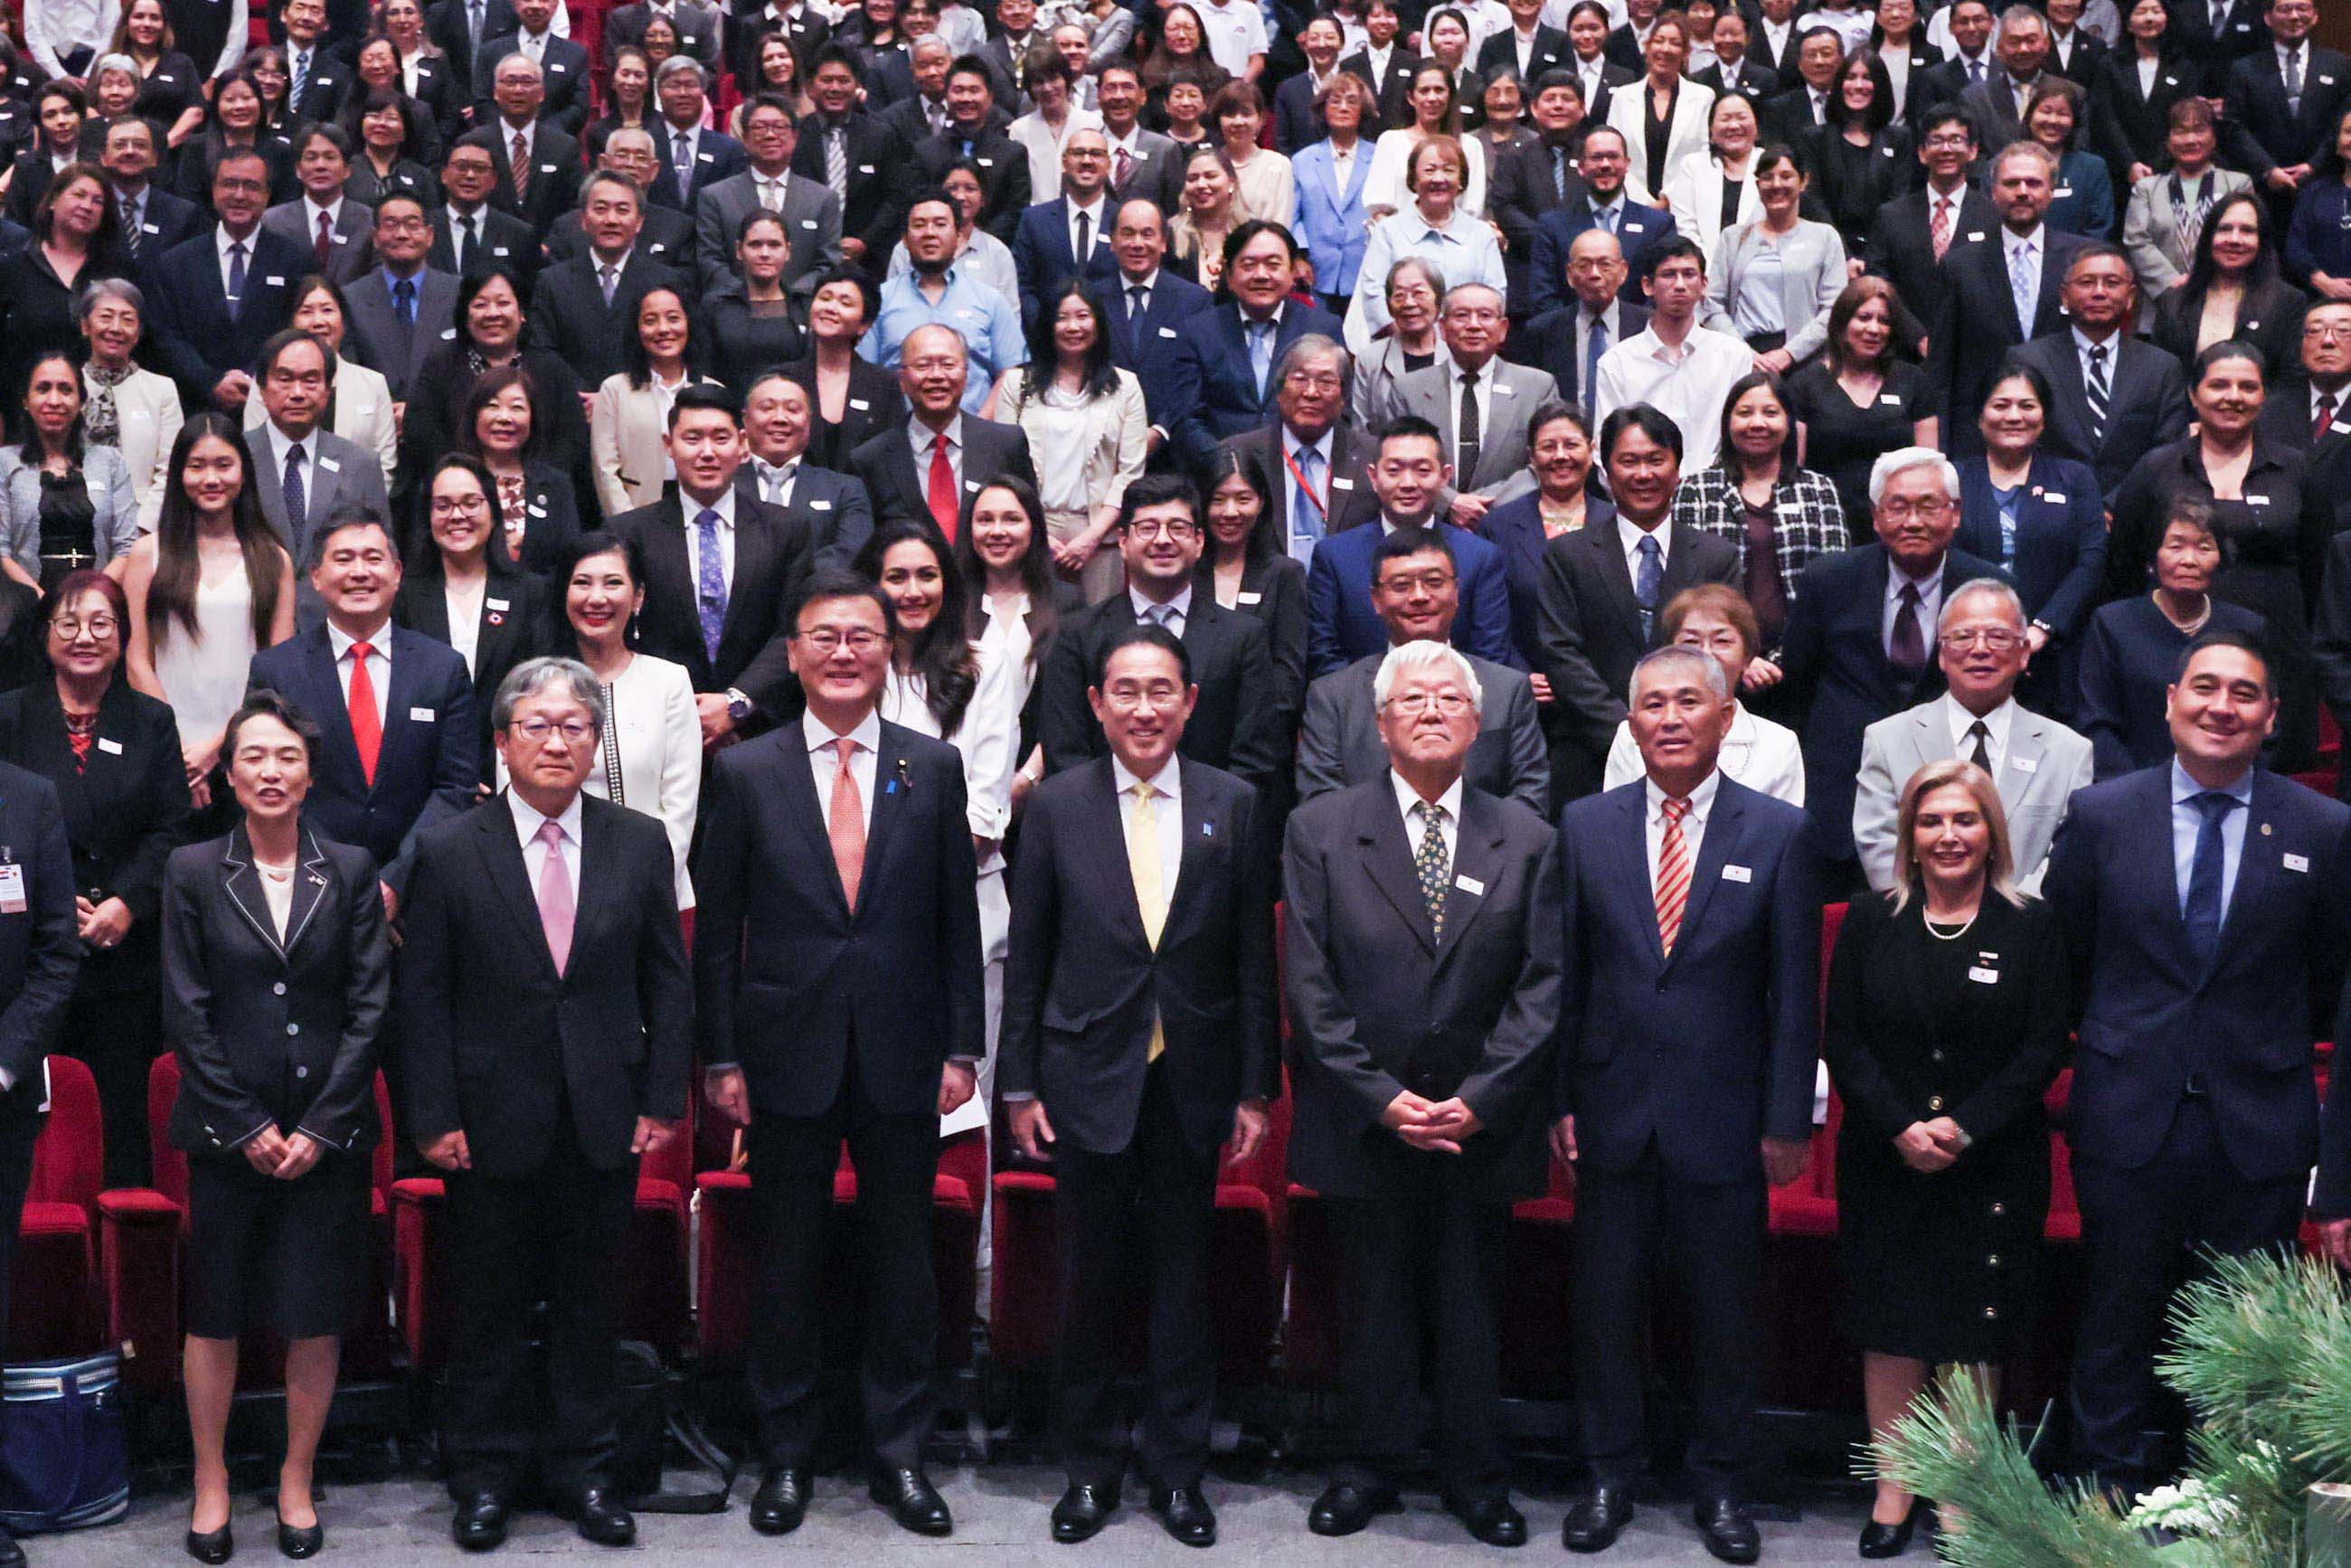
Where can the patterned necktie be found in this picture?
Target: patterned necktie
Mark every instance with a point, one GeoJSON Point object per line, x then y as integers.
{"type": "Point", "coordinates": [845, 824]}
{"type": "Point", "coordinates": [2293, 80]}
{"type": "Point", "coordinates": [2323, 418]}
{"type": "Point", "coordinates": [1467, 434]}
{"type": "Point", "coordinates": [682, 145]}
{"type": "Point", "coordinates": [297, 506]}
{"type": "Point", "coordinates": [473, 22]}
{"type": "Point", "coordinates": [2023, 286]}
{"type": "Point", "coordinates": [1121, 167]}
{"type": "Point", "coordinates": [1433, 865]}
{"type": "Point", "coordinates": [771, 194]}
{"type": "Point", "coordinates": [611, 277]}
{"type": "Point", "coordinates": [1975, 73]}
{"type": "Point", "coordinates": [1559, 171]}
{"type": "Point", "coordinates": [2205, 873]}
{"type": "Point", "coordinates": [301, 80]}
{"type": "Point", "coordinates": [836, 161]}
{"type": "Point", "coordinates": [1939, 227]}
{"type": "Point", "coordinates": [1647, 580]}
{"type": "Point", "coordinates": [367, 725]}
{"type": "Point", "coordinates": [1150, 889]}
{"type": "Point", "coordinates": [130, 228]}
{"type": "Point", "coordinates": [404, 301]}
{"type": "Point", "coordinates": [1673, 875]}
{"type": "Point", "coordinates": [2098, 393]}
{"type": "Point", "coordinates": [1981, 755]}
{"type": "Point", "coordinates": [556, 908]}
{"type": "Point", "coordinates": [1907, 648]}
{"type": "Point", "coordinates": [520, 162]}
{"type": "Point", "coordinates": [940, 492]}
{"type": "Point", "coordinates": [710, 583]}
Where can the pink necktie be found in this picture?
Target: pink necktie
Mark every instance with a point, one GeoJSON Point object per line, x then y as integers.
{"type": "Point", "coordinates": [555, 908]}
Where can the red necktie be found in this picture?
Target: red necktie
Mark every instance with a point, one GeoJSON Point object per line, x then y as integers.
{"type": "Point", "coordinates": [1125, 167]}
{"type": "Point", "coordinates": [325, 247]}
{"type": "Point", "coordinates": [2324, 417]}
{"type": "Point", "coordinates": [1939, 228]}
{"type": "Point", "coordinates": [367, 725]}
{"type": "Point", "coordinates": [1673, 875]}
{"type": "Point", "coordinates": [942, 489]}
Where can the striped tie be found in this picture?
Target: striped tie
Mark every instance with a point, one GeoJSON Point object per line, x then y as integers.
{"type": "Point", "coordinates": [1673, 875]}
{"type": "Point", "coordinates": [2098, 393]}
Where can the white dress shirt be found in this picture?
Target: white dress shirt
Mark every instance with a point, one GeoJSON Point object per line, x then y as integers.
{"type": "Point", "coordinates": [1653, 822]}
{"type": "Point", "coordinates": [464, 604]}
{"type": "Point", "coordinates": [1168, 817]}
{"type": "Point", "coordinates": [776, 481]}
{"type": "Point", "coordinates": [1095, 217]}
{"type": "Point", "coordinates": [921, 436]}
{"type": "Point", "coordinates": [312, 212]}
{"type": "Point", "coordinates": [1689, 387]}
{"type": "Point", "coordinates": [528, 820]}
{"type": "Point", "coordinates": [1630, 535]}
{"type": "Point", "coordinates": [824, 762]}
{"type": "Point", "coordinates": [1482, 389]}
{"type": "Point", "coordinates": [1448, 826]}
{"type": "Point", "coordinates": [379, 664]}
{"type": "Point", "coordinates": [692, 510]}
{"type": "Point", "coordinates": [281, 444]}
{"type": "Point", "coordinates": [1174, 615]}
{"type": "Point", "coordinates": [1996, 724]}
{"type": "Point", "coordinates": [222, 241]}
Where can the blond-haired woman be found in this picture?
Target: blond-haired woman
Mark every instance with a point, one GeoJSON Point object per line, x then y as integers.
{"type": "Point", "coordinates": [1947, 1004]}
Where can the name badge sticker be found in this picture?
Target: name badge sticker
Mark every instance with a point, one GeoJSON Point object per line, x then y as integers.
{"type": "Point", "coordinates": [1975, 237]}
{"type": "Point", "coordinates": [1166, 331]}
{"type": "Point", "coordinates": [112, 747]}
{"type": "Point", "coordinates": [1248, 596]}
{"type": "Point", "coordinates": [2055, 497]}
{"type": "Point", "coordinates": [1889, 399]}
{"type": "Point", "coordinates": [860, 404]}
{"type": "Point", "coordinates": [275, 281]}
{"type": "Point", "coordinates": [497, 603]}
{"type": "Point", "coordinates": [12, 888]}
{"type": "Point", "coordinates": [819, 506]}
{"type": "Point", "coordinates": [1983, 977]}
{"type": "Point", "coordinates": [865, 168]}
{"type": "Point", "coordinates": [494, 250]}
{"type": "Point", "coordinates": [1738, 874]}
{"type": "Point", "coordinates": [1502, 391]}
{"type": "Point", "coordinates": [448, 334]}
{"type": "Point", "coordinates": [972, 485]}
{"type": "Point", "coordinates": [2297, 863]}
{"type": "Point", "coordinates": [2025, 764]}
{"type": "Point", "coordinates": [1469, 884]}
{"type": "Point", "coordinates": [420, 716]}
{"type": "Point", "coordinates": [149, 228]}
{"type": "Point", "coordinates": [1339, 484]}
{"type": "Point", "coordinates": [330, 465]}
{"type": "Point", "coordinates": [2257, 500]}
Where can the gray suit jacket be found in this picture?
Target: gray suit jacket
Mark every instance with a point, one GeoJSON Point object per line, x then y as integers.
{"type": "Point", "coordinates": [1339, 745]}
{"type": "Point", "coordinates": [382, 343]}
{"type": "Point", "coordinates": [2155, 231]}
{"type": "Point", "coordinates": [1157, 175]}
{"type": "Point", "coordinates": [340, 473]}
{"type": "Point", "coordinates": [2044, 764]}
{"type": "Point", "coordinates": [354, 235]}
{"type": "Point", "coordinates": [1434, 394]}
{"type": "Point", "coordinates": [811, 215]}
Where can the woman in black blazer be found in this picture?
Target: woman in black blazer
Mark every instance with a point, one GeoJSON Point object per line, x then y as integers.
{"type": "Point", "coordinates": [537, 508]}
{"type": "Point", "coordinates": [493, 330]}
{"type": "Point", "coordinates": [114, 756]}
{"type": "Point", "coordinates": [854, 398]}
{"type": "Point", "coordinates": [276, 974]}
{"type": "Point", "coordinates": [463, 580]}
{"type": "Point", "coordinates": [1243, 566]}
{"type": "Point", "coordinates": [2236, 257]}
{"type": "Point", "coordinates": [2136, 86]}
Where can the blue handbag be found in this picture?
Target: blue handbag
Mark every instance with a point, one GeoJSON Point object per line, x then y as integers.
{"type": "Point", "coordinates": [65, 1456]}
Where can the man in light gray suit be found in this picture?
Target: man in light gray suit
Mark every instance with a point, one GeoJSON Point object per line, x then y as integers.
{"type": "Point", "coordinates": [811, 210]}
{"type": "Point", "coordinates": [398, 311]}
{"type": "Point", "coordinates": [302, 473]}
{"type": "Point", "coordinates": [1488, 446]}
{"type": "Point", "coordinates": [322, 162]}
{"type": "Point", "coordinates": [1417, 593]}
{"type": "Point", "coordinates": [1143, 165]}
{"type": "Point", "coordinates": [2036, 762]}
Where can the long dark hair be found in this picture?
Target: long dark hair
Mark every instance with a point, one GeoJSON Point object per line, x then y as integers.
{"type": "Point", "coordinates": [33, 455]}
{"type": "Point", "coordinates": [563, 640]}
{"type": "Point", "coordinates": [940, 652]}
{"type": "Point", "coordinates": [1727, 455]}
{"type": "Point", "coordinates": [172, 592]}
{"type": "Point", "coordinates": [424, 556]}
{"type": "Point", "coordinates": [1223, 464]}
{"type": "Point", "coordinates": [2262, 276]}
{"type": "Point", "coordinates": [635, 362]}
{"type": "Point", "coordinates": [1036, 568]}
{"type": "Point", "coordinates": [1045, 356]}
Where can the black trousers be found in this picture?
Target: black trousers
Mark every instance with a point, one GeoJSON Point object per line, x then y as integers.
{"type": "Point", "coordinates": [2142, 1232]}
{"type": "Point", "coordinates": [1155, 1200]}
{"type": "Point", "coordinates": [1708, 1239]}
{"type": "Point", "coordinates": [20, 1127]}
{"type": "Point", "coordinates": [557, 1236]}
{"type": "Point", "coordinates": [792, 1160]}
{"type": "Point", "coordinates": [115, 1020]}
{"type": "Point", "coordinates": [1420, 1265]}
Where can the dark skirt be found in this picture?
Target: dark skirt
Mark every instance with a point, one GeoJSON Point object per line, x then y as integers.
{"type": "Point", "coordinates": [290, 1257]}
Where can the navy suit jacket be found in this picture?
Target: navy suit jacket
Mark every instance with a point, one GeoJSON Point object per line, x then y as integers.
{"type": "Point", "coordinates": [1515, 529]}
{"type": "Point", "coordinates": [1343, 628]}
{"type": "Point", "coordinates": [187, 310]}
{"type": "Point", "coordinates": [1148, 347]}
{"type": "Point", "coordinates": [716, 157]}
{"type": "Point", "coordinates": [2061, 537]}
{"type": "Point", "coordinates": [1709, 1050]}
{"type": "Point", "coordinates": [40, 950]}
{"type": "Point", "coordinates": [430, 760]}
{"type": "Point", "coordinates": [1211, 386]}
{"type": "Point", "coordinates": [2152, 1015]}
{"type": "Point", "coordinates": [166, 220]}
{"type": "Point", "coordinates": [1042, 259]}
{"type": "Point", "coordinates": [1637, 229]}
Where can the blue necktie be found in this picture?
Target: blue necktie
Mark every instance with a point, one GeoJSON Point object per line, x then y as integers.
{"type": "Point", "coordinates": [710, 589]}
{"type": "Point", "coordinates": [1306, 519]}
{"type": "Point", "coordinates": [235, 278]}
{"type": "Point", "coordinates": [297, 507]}
{"type": "Point", "coordinates": [1260, 335]}
{"type": "Point", "coordinates": [1646, 581]}
{"type": "Point", "coordinates": [2204, 872]}
{"type": "Point", "coordinates": [404, 301]}
{"type": "Point", "coordinates": [1595, 343]}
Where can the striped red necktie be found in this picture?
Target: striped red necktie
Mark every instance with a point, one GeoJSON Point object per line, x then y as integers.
{"type": "Point", "coordinates": [1673, 875]}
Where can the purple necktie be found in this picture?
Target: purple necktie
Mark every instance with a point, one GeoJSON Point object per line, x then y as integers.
{"type": "Point", "coordinates": [555, 906]}
{"type": "Point", "coordinates": [710, 586]}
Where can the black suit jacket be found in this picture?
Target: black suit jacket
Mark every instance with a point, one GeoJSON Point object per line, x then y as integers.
{"type": "Point", "coordinates": [1082, 984]}
{"type": "Point", "coordinates": [507, 241]}
{"type": "Point", "coordinates": [1348, 505]}
{"type": "Point", "coordinates": [165, 220]}
{"type": "Point", "coordinates": [196, 339]}
{"type": "Point", "coordinates": [1522, 186]}
{"type": "Point", "coordinates": [332, 73]}
{"type": "Point", "coordinates": [444, 23]}
{"type": "Point", "coordinates": [2144, 119]}
{"type": "Point", "coordinates": [835, 514]}
{"type": "Point", "coordinates": [1003, 173]}
{"type": "Point", "coordinates": [898, 486]}
{"type": "Point", "coordinates": [667, 238]}
{"type": "Point", "coordinates": [716, 157]}
{"type": "Point", "coordinates": [787, 975]}
{"type": "Point", "coordinates": [126, 808]}
{"type": "Point", "coordinates": [565, 69]}
{"type": "Point", "coordinates": [1548, 344]}
{"type": "Point", "coordinates": [494, 1042]}
{"type": "Point", "coordinates": [1147, 346]}
{"type": "Point", "coordinates": [1393, 96]}
{"type": "Point", "coordinates": [1550, 52]}
{"type": "Point", "coordinates": [429, 759]}
{"type": "Point", "coordinates": [2214, 53]}
{"type": "Point", "coordinates": [1902, 251]}
{"type": "Point", "coordinates": [1977, 325]}
{"type": "Point", "coordinates": [2261, 130]}
{"type": "Point", "coordinates": [274, 1031]}
{"type": "Point", "coordinates": [554, 173]}
{"type": "Point", "coordinates": [771, 557]}
{"type": "Point", "coordinates": [512, 628]}
{"type": "Point", "coordinates": [871, 213]}
{"type": "Point", "coordinates": [2146, 403]}
{"type": "Point", "coordinates": [874, 405]}
{"type": "Point", "coordinates": [1236, 725]}
{"type": "Point", "coordinates": [1757, 81]}
{"type": "Point", "coordinates": [569, 316]}
{"type": "Point", "coordinates": [40, 945]}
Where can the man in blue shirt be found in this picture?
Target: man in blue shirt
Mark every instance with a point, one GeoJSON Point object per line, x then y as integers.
{"type": "Point", "coordinates": [935, 294]}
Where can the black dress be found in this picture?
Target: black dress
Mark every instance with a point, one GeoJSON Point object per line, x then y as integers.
{"type": "Point", "coordinates": [1943, 1268]}
{"type": "Point", "coordinates": [1850, 183]}
{"type": "Point", "coordinates": [1842, 440]}
{"type": "Point", "coordinates": [166, 92]}
{"type": "Point", "coordinates": [69, 527]}
{"type": "Point", "coordinates": [751, 338]}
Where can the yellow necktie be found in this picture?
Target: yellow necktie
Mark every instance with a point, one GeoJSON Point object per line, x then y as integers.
{"type": "Point", "coordinates": [1143, 866]}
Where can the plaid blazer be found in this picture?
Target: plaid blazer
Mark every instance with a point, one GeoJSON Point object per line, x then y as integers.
{"type": "Point", "coordinates": [1809, 520]}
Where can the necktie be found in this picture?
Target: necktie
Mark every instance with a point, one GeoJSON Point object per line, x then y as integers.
{"type": "Point", "coordinates": [520, 159]}
{"type": "Point", "coordinates": [1308, 521]}
{"type": "Point", "coordinates": [1906, 648]}
{"type": "Point", "coordinates": [1559, 171]}
{"type": "Point", "coordinates": [1467, 434]}
{"type": "Point", "coordinates": [367, 723]}
{"type": "Point", "coordinates": [1085, 251]}
{"type": "Point", "coordinates": [1138, 303]}
{"type": "Point", "coordinates": [1432, 864]}
{"type": "Point", "coordinates": [771, 194]}
{"type": "Point", "coordinates": [2204, 872]}
{"type": "Point", "coordinates": [682, 145]}
{"type": "Point", "coordinates": [301, 79]}
{"type": "Point", "coordinates": [554, 897]}
{"type": "Point", "coordinates": [130, 228]}
{"type": "Point", "coordinates": [2098, 393]}
{"type": "Point", "coordinates": [1260, 335]}
{"type": "Point", "coordinates": [1975, 73]}
{"type": "Point", "coordinates": [1647, 580]}
{"type": "Point", "coordinates": [1939, 227]}
{"type": "Point", "coordinates": [2219, 16]}
{"type": "Point", "coordinates": [844, 824]}
{"type": "Point", "coordinates": [1121, 165]}
{"type": "Point", "coordinates": [297, 506]}
{"type": "Point", "coordinates": [404, 301]}
{"type": "Point", "coordinates": [235, 277]}
{"type": "Point", "coordinates": [1595, 345]}
{"type": "Point", "coordinates": [1150, 895]}
{"type": "Point", "coordinates": [1608, 216]}
{"type": "Point", "coordinates": [469, 239]}
{"type": "Point", "coordinates": [611, 277]}
{"type": "Point", "coordinates": [2023, 286]}
{"type": "Point", "coordinates": [1981, 755]}
{"type": "Point", "coordinates": [1673, 875]}
{"type": "Point", "coordinates": [836, 161]}
{"type": "Point", "coordinates": [2324, 417]}
{"type": "Point", "coordinates": [323, 246]}
{"type": "Point", "coordinates": [473, 22]}
{"type": "Point", "coordinates": [710, 583]}
{"type": "Point", "coordinates": [941, 490]}
{"type": "Point", "coordinates": [2293, 80]}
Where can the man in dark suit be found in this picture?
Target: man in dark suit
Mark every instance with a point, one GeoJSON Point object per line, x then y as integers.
{"type": "Point", "coordinates": [2217, 48]}
{"type": "Point", "coordinates": [582, 308]}
{"type": "Point", "coordinates": [1734, 69]}
{"type": "Point", "coordinates": [1221, 382]}
{"type": "Point", "coordinates": [1996, 103]}
{"type": "Point", "coordinates": [401, 747]}
{"type": "Point", "coordinates": [1971, 62]}
{"type": "Point", "coordinates": [2309, 405]}
{"type": "Point", "coordinates": [2284, 103]}
{"type": "Point", "coordinates": [935, 463]}
{"type": "Point", "coordinates": [836, 862]}
{"type": "Point", "coordinates": [1600, 604]}
{"type": "Point", "coordinates": [1688, 1027]}
{"type": "Point", "coordinates": [1144, 908]}
{"type": "Point", "coordinates": [545, 1036]}
{"type": "Point", "coordinates": [1142, 162]}
{"type": "Point", "coordinates": [1408, 474]}
{"type": "Point", "coordinates": [2207, 904]}
{"type": "Point", "coordinates": [693, 157]}
{"type": "Point", "coordinates": [547, 181]}
{"type": "Point", "coordinates": [922, 115]}
{"type": "Point", "coordinates": [1594, 318]}
{"type": "Point", "coordinates": [302, 473]}
{"type": "Point", "coordinates": [398, 312]}
{"type": "Point", "coordinates": [1239, 723]}
{"type": "Point", "coordinates": [1416, 593]}
{"type": "Point", "coordinates": [564, 69]}
{"type": "Point", "coordinates": [668, 236]}
{"type": "Point", "coordinates": [1422, 951]}
{"type": "Point", "coordinates": [453, 24]}
{"type": "Point", "coordinates": [1859, 646]}
{"type": "Point", "coordinates": [1603, 206]}
{"type": "Point", "coordinates": [212, 302]}
{"type": "Point", "coordinates": [1801, 106]}
{"type": "Point", "coordinates": [1903, 247]}
{"type": "Point", "coordinates": [868, 180]}
{"type": "Point", "coordinates": [721, 612]}
{"type": "Point", "coordinates": [153, 220]}
{"type": "Point", "coordinates": [1045, 245]}
{"type": "Point", "coordinates": [2117, 397]}
{"type": "Point", "coordinates": [470, 231]}
{"type": "Point", "coordinates": [833, 510]}
{"type": "Point", "coordinates": [809, 211]}
{"type": "Point", "coordinates": [1146, 305]}
{"type": "Point", "coordinates": [1629, 42]}
{"type": "Point", "coordinates": [1537, 176]}
{"type": "Point", "coordinates": [972, 133]}
{"type": "Point", "coordinates": [318, 70]}
{"type": "Point", "coordinates": [2000, 294]}
{"type": "Point", "coordinates": [1005, 51]}
{"type": "Point", "coordinates": [1526, 47]}
{"type": "Point", "coordinates": [1317, 468]}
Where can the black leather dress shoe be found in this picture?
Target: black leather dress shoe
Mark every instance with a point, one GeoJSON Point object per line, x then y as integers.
{"type": "Point", "coordinates": [10, 1554]}
{"type": "Point", "coordinates": [782, 1501]}
{"type": "Point", "coordinates": [1084, 1509]}
{"type": "Point", "coordinates": [1890, 1540]}
{"type": "Point", "coordinates": [480, 1523]}
{"type": "Point", "coordinates": [1594, 1520]}
{"type": "Point", "coordinates": [1185, 1513]}
{"type": "Point", "coordinates": [912, 1501]}
{"type": "Point", "coordinates": [212, 1545]}
{"type": "Point", "coordinates": [1490, 1519]}
{"type": "Point", "coordinates": [301, 1541]}
{"type": "Point", "coordinates": [602, 1521]}
{"type": "Point", "coordinates": [1344, 1508]}
{"type": "Point", "coordinates": [1727, 1531]}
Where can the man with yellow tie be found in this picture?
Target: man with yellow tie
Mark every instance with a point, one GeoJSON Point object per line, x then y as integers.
{"type": "Point", "coordinates": [1139, 1041]}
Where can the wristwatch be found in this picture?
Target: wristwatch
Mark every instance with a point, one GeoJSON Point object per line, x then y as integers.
{"type": "Point", "coordinates": [738, 707]}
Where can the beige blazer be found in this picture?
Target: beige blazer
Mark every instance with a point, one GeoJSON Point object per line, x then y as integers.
{"type": "Point", "coordinates": [363, 414]}
{"type": "Point", "coordinates": [149, 407]}
{"type": "Point", "coordinates": [627, 444]}
{"type": "Point", "coordinates": [1115, 432]}
{"type": "Point", "coordinates": [1628, 111]}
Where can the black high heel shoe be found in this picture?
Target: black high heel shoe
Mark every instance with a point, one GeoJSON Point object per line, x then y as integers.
{"type": "Point", "coordinates": [214, 1546]}
{"type": "Point", "coordinates": [1880, 1541]}
{"type": "Point", "coordinates": [298, 1542]}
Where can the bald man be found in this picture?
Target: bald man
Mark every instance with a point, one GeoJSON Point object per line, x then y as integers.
{"type": "Point", "coordinates": [1068, 236]}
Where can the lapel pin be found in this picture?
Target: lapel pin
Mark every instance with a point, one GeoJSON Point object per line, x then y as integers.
{"type": "Point", "coordinates": [2265, 829]}
{"type": "Point", "coordinates": [1208, 830]}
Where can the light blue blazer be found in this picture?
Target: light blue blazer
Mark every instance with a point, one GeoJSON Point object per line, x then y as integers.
{"type": "Point", "coordinates": [116, 528]}
{"type": "Point", "coordinates": [1331, 222]}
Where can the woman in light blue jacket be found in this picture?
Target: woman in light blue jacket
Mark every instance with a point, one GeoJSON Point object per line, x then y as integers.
{"type": "Point", "coordinates": [1330, 175]}
{"type": "Point", "coordinates": [69, 507]}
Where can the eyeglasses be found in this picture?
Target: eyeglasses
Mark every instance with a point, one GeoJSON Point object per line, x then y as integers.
{"type": "Point", "coordinates": [69, 627]}
{"type": "Point", "coordinates": [1308, 381]}
{"type": "Point", "coordinates": [826, 640]}
{"type": "Point", "coordinates": [1174, 529]}
{"type": "Point", "coordinates": [1930, 507]}
{"type": "Point", "coordinates": [1160, 694]}
{"type": "Point", "coordinates": [1452, 704]}
{"type": "Point", "coordinates": [1997, 639]}
{"type": "Point", "coordinates": [1436, 580]}
{"type": "Point", "coordinates": [537, 730]}
{"type": "Point", "coordinates": [2325, 331]}
{"type": "Point", "coordinates": [442, 505]}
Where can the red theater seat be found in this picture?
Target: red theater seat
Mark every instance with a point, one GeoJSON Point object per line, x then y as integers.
{"type": "Point", "coordinates": [54, 1281]}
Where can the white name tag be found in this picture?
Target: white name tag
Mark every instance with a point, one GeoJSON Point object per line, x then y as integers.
{"type": "Point", "coordinates": [865, 168]}
{"type": "Point", "coordinates": [1887, 151]}
{"type": "Point", "coordinates": [1975, 237]}
{"type": "Point", "coordinates": [1246, 597]}
{"type": "Point", "coordinates": [2297, 863]}
{"type": "Point", "coordinates": [275, 281]}
{"type": "Point", "coordinates": [1166, 331]}
{"type": "Point", "coordinates": [556, 68]}
{"type": "Point", "coordinates": [971, 485]}
{"type": "Point", "coordinates": [1502, 391]}
{"type": "Point", "coordinates": [420, 716]}
{"type": "Point", "coordinates": [1736, 873]}
{"type": "Point", "coordinates": [819, 506]}
{"type": "Point", "coordinates": [1339, 484]}
{"type": "Point", "coordinates": [1466, 884]}
{"type": "Point", "coordinates": [2339, 428]}
{"type": "Point", "coordinates": [150, 228]}
{"type": "Point", "coordinates": [808, 222]}
{"type": "Point", "coordinates": [2025, 764]}
{"type": "Point", "coordinates": [705, 158]}
{"type": "Point", "coordinates": [496, 603]}
{"type": "Point", "coordinates": [535, 509]}
{"type": "Point", "coordinates": [330, 465]}
{"type": "Point", "coordinates": [112, 747]}
{"type": "Point", "coordinates": [986, 163]}
{"type": "Point", "coordinates": [2327, 81]}
{"type": "Point", "coordinates": [2061, 192]}
{"type": "Point", "coordinates": [2055, 497]}
{"type": "Point", "coordinates": [1983, 977]}
{"type": "Point", "coordinates": [494, 250]}
{"type": "Point", "coordinates": [1890, 400]}
{"type": "Point", "coordinates": [2257, 500]}
{"type": "Point", "coordinates": [12, 890]}
{"type": "Point", "coordinates": [860, 404]}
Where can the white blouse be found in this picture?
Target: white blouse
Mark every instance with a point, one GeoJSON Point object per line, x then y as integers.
{"type": "Point", "coordinates": [1763, 756]}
